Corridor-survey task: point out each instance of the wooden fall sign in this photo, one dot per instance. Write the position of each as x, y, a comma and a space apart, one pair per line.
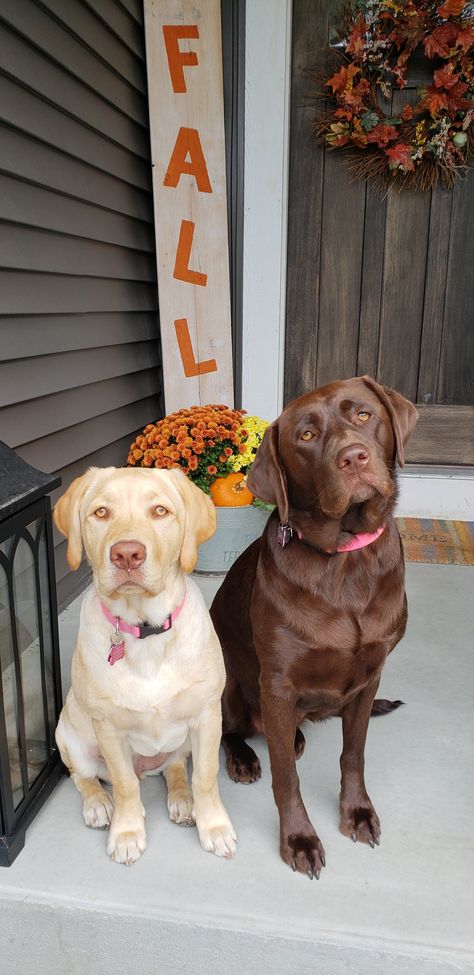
185, 91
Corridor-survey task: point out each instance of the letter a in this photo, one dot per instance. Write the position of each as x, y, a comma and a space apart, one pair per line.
188, 143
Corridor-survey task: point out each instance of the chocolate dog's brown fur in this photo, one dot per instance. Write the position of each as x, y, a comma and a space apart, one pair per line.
306, 634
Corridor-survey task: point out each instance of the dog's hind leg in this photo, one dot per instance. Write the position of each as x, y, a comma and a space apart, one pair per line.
242, 763
180, 797
97, 804
84, 769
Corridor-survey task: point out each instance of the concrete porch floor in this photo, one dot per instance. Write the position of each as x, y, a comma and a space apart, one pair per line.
405, 908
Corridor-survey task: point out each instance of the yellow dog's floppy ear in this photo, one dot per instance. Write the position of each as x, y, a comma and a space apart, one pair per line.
200, 520
403, 415
67, 517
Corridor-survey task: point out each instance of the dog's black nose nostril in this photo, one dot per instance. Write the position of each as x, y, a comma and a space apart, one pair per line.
128, 555
352, 457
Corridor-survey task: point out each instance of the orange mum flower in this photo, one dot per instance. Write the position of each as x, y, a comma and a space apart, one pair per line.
202, 440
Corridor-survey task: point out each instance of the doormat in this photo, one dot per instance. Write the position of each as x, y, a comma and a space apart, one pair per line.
436, 540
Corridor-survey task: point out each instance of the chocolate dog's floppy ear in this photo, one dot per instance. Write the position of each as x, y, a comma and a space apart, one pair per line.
267, 479
403, 415
200, 519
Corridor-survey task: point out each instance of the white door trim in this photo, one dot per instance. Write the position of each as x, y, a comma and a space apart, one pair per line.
267, 100
436, 492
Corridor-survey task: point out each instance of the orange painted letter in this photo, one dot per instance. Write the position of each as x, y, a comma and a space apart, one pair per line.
190, 366
188, 143
177, 58
182, 270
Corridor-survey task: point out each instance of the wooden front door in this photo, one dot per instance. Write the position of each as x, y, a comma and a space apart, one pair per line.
377, 286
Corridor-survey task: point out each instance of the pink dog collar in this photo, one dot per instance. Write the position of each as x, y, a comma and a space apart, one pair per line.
286, 532
117, 645
360, 541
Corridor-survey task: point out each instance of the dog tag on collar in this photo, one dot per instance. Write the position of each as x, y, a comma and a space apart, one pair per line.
116, 652
117, 646
285, 534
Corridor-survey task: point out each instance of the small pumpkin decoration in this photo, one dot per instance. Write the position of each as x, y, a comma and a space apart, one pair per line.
231, 491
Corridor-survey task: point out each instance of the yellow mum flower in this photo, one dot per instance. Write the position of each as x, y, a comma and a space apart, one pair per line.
255, 429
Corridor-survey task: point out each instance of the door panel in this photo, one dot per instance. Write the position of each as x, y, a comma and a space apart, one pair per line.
378, 286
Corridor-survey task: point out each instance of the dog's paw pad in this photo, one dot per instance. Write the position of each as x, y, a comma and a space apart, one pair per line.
220, 840
181, 811
361, 824
97, 811
126, 847
304, 853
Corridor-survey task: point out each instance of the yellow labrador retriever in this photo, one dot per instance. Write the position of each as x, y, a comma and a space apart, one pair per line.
147, 670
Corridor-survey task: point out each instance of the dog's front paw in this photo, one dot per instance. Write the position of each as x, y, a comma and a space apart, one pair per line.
126, 846
361, 823
304, 852
97, 810
220, 839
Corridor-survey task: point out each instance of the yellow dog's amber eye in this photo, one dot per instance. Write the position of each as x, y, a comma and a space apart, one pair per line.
160, 511
363, 415
307, 435
101, 512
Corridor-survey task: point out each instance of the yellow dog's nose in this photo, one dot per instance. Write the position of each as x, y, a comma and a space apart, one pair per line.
127, 555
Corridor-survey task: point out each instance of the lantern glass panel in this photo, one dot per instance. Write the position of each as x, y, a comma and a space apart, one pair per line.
26, 612
44, 583
9, 685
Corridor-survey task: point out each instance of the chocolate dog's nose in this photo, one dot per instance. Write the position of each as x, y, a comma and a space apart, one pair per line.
350, 458
127, 555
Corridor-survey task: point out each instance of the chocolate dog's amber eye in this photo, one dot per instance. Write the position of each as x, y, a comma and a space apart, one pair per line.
160, 511
363, 415
307, 435
101, 512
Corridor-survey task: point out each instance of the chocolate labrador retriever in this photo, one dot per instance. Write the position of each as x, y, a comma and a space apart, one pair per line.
308, 614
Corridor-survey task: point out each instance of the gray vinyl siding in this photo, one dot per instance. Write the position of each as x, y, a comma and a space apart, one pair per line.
80, 361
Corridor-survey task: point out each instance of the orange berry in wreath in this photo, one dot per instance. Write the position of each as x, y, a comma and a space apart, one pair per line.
231, 491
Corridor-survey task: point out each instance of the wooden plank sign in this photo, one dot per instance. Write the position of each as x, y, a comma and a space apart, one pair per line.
185, 90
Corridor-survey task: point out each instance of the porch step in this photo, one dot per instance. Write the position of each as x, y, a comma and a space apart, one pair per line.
403, 909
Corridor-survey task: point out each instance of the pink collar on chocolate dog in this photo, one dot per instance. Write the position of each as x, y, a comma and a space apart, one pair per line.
360, 541
286, 532
117, 648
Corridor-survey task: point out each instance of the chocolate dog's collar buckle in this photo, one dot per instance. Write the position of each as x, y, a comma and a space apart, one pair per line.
285, 534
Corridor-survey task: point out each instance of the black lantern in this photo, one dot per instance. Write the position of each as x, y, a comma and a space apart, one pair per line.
30, 685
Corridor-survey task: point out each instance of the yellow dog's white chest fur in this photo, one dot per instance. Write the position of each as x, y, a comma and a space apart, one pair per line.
163, 678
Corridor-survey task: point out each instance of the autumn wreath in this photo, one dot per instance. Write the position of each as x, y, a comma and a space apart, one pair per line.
429, 141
